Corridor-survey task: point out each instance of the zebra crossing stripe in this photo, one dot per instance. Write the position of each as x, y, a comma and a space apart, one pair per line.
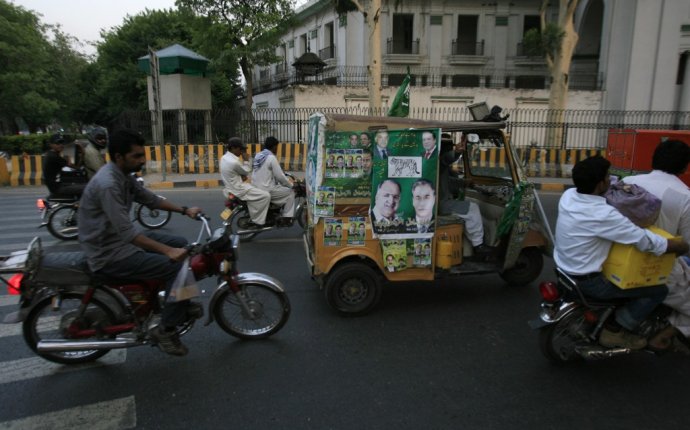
9, 300
37, 367
115, 414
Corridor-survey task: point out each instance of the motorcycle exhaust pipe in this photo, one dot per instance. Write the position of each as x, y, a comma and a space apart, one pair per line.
600, 353
61, 345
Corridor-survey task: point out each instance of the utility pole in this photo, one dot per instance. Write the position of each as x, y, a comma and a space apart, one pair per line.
157, 112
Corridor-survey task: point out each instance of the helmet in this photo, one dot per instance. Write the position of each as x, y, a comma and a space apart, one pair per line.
98, 136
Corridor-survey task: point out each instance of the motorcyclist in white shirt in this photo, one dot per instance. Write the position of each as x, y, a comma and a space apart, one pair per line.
233, 171
269, 176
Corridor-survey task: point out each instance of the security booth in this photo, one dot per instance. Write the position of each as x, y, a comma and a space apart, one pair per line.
364, 206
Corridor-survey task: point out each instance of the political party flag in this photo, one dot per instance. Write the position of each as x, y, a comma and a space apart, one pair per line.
401, 102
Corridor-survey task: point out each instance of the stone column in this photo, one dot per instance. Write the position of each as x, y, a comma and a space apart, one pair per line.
182, 126
208, 128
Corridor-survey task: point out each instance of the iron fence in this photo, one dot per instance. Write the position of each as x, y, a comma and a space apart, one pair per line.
529, 128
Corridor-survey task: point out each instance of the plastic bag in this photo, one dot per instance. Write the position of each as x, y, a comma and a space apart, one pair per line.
184, 287
634, 202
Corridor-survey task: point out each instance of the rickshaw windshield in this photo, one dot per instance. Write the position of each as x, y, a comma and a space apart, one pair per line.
484, 162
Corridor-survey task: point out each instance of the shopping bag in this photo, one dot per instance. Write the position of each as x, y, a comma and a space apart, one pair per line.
633, 201
184, 287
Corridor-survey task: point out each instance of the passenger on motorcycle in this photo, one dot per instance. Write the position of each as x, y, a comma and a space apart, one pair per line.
116, 249
58, 173
234, 171
94, 154
269, 176
585, 230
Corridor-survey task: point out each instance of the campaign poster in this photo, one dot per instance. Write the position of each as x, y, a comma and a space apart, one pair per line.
421, 255
315, 165
394, 253
333, 232
404, 183
348, 162
325, 201
356, 230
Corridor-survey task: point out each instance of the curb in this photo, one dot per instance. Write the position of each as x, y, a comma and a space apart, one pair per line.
552, 187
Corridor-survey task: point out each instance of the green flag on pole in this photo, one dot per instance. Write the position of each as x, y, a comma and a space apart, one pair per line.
401, 102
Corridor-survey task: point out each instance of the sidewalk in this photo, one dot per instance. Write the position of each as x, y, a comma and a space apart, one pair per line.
212, 180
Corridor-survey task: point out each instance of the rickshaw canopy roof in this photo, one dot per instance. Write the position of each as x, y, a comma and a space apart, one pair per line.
345, 122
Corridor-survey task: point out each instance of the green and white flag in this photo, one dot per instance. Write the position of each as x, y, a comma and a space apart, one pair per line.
401, 102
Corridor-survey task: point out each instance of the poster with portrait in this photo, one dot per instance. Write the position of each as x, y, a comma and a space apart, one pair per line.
348, 164
325, 202
421, 252
404, 183
356, 230
333, 232
315, 165
394, 253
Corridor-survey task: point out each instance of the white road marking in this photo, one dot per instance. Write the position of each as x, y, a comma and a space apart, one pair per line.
115, 414
7, 330
9, 300
37, 367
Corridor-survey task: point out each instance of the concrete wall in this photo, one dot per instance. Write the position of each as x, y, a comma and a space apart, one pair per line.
182, 92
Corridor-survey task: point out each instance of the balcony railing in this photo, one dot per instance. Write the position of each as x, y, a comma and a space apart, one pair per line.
327, 53
357, 76
467, 48
402, 46
523, 51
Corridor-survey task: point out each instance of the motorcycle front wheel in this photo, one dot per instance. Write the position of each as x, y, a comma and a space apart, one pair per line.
152, 219
558, 341
62, 223
239, 220
266, 312
53, 317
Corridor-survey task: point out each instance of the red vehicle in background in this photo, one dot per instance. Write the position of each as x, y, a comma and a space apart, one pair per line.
630, 150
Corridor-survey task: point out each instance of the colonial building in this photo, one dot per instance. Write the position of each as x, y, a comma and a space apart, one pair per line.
631, 55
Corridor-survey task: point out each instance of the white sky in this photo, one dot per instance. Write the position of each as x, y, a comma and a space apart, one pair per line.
84, 19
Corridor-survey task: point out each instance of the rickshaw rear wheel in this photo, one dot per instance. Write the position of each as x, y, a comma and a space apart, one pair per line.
527, 267
353, 289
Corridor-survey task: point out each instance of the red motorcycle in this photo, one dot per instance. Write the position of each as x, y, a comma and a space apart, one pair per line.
70, 316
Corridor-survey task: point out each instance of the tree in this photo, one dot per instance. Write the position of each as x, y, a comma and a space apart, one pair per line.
371, 10
249, 29
557, 42
26, 83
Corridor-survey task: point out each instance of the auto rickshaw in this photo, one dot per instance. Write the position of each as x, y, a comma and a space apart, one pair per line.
351, 252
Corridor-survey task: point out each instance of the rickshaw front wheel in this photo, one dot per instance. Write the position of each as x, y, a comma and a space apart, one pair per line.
353, 289
527, 267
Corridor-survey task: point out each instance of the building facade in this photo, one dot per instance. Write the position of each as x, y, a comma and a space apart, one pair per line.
631, 55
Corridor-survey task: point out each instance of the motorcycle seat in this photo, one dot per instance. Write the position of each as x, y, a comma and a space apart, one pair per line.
60, 198
64, 268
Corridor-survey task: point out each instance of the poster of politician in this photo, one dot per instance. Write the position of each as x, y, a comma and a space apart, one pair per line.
403, 184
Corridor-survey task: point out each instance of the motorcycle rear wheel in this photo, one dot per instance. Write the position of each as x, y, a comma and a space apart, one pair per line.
239, 220
44, 322
62, 223
152, 219
558, 341
269, 310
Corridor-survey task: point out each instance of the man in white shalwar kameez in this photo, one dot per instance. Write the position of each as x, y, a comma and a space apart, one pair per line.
269, 176
234, 170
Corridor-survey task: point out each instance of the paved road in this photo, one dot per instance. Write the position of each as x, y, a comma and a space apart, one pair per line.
454, 354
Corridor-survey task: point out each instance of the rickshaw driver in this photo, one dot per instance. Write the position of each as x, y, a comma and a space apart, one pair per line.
465, 209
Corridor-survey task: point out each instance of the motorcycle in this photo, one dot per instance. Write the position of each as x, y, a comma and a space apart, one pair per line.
70, 316
570, 323
237, 213
59, 215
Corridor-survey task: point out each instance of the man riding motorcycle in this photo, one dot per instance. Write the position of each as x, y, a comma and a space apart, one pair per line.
114, 247
94, 154
268, 176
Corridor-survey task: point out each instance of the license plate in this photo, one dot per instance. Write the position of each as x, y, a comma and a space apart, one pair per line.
226, 214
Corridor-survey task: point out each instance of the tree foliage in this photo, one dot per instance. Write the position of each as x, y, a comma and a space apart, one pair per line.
247, 31
37, 70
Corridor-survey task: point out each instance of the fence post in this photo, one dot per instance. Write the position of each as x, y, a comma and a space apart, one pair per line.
564, 137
